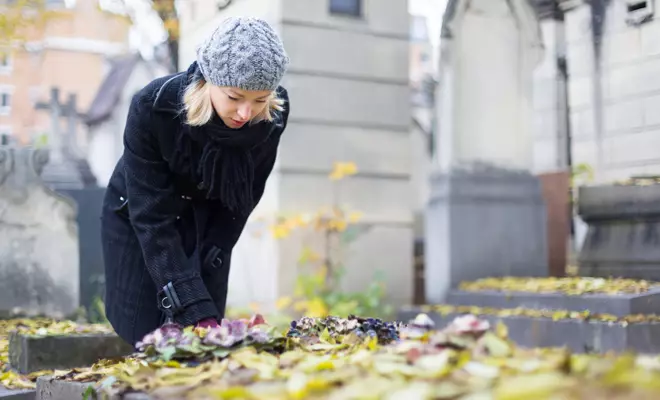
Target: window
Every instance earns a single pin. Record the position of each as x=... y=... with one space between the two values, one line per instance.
x=5 y=100
x=5 y=135
x=638 y=11
x=5 y=62
x=346 y=7
x=55 y=4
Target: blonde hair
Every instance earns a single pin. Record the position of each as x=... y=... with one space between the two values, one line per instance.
x=199 y=108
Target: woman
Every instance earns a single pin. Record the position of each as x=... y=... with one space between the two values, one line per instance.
x=198 y=148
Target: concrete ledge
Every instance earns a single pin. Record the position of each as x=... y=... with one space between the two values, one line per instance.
x=11 y=394
x=29 y=354
x=618 y=202
x=619 y=305
x=49 y=389
x=579 y=336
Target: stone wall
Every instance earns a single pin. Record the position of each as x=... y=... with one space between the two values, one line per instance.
x=615 y=127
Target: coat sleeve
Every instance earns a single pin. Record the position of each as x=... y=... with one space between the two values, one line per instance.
x=152 y=208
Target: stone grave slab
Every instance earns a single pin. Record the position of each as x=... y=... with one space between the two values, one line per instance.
x=39 y=253
x=579 y=336
x=29 y=354
x=21 y=394
x=50 y=389
x=619 y=305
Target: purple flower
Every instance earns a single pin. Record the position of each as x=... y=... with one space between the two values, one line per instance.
x=221 y=336
x=160 y=337
x=258 y=335
x=235 y=328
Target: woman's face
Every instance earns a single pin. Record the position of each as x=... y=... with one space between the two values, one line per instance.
x=236 y=107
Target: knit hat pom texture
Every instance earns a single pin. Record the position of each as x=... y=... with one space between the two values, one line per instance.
x=243 y=52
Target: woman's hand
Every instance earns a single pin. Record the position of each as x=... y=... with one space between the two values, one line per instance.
x=207 y=323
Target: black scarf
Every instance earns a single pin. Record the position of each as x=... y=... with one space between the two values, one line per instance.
x=218 y=158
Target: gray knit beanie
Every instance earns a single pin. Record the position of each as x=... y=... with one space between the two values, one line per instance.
x=243 y=52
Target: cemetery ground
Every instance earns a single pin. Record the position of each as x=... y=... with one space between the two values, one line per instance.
x=503 y=338
x=449 y=351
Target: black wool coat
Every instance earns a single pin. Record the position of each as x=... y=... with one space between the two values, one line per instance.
x=167 y=247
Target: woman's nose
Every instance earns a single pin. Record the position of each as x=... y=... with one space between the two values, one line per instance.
x=245 y=112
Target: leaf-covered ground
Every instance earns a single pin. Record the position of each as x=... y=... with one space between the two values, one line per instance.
x=364 y=358
x=572 y=286
x=335 y=358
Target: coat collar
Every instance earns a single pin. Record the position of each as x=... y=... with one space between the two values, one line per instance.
x=169 y=95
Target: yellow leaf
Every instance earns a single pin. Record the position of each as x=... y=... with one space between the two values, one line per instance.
x=343 y=169
x=297 y=385
x=279 y=231
x=354 y=217
x=322 y=272
x=300 y=305
x=539 y=386
x=502 y=330
x=497 y=347
x=317 y=308
x=308 y=255
x=234 y=392
x=283 y=302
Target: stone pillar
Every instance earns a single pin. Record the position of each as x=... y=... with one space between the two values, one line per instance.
x=486 y=215
x=39 y=258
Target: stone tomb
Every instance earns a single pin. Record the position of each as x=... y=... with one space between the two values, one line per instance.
x=39 y=250
x=618 y=305
x=29 y=354
x=20 y=394
x=579 y=336
x=49 y=389
x=623 y=237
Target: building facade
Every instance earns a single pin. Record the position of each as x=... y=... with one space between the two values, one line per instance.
x=69 y=52
x=610 y=51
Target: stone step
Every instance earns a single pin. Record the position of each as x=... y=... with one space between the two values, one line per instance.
x=579 y=336
x=49 y=389
x=29 y=354
x=12 y=394
x=618 y=305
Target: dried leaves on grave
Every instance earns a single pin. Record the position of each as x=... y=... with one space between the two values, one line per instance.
x=349 y=358
x=326 y=359
x=556 y=315
x=572 y=286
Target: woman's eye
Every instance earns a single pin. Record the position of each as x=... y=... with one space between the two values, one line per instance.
x=261 y=101
x=232 y=98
